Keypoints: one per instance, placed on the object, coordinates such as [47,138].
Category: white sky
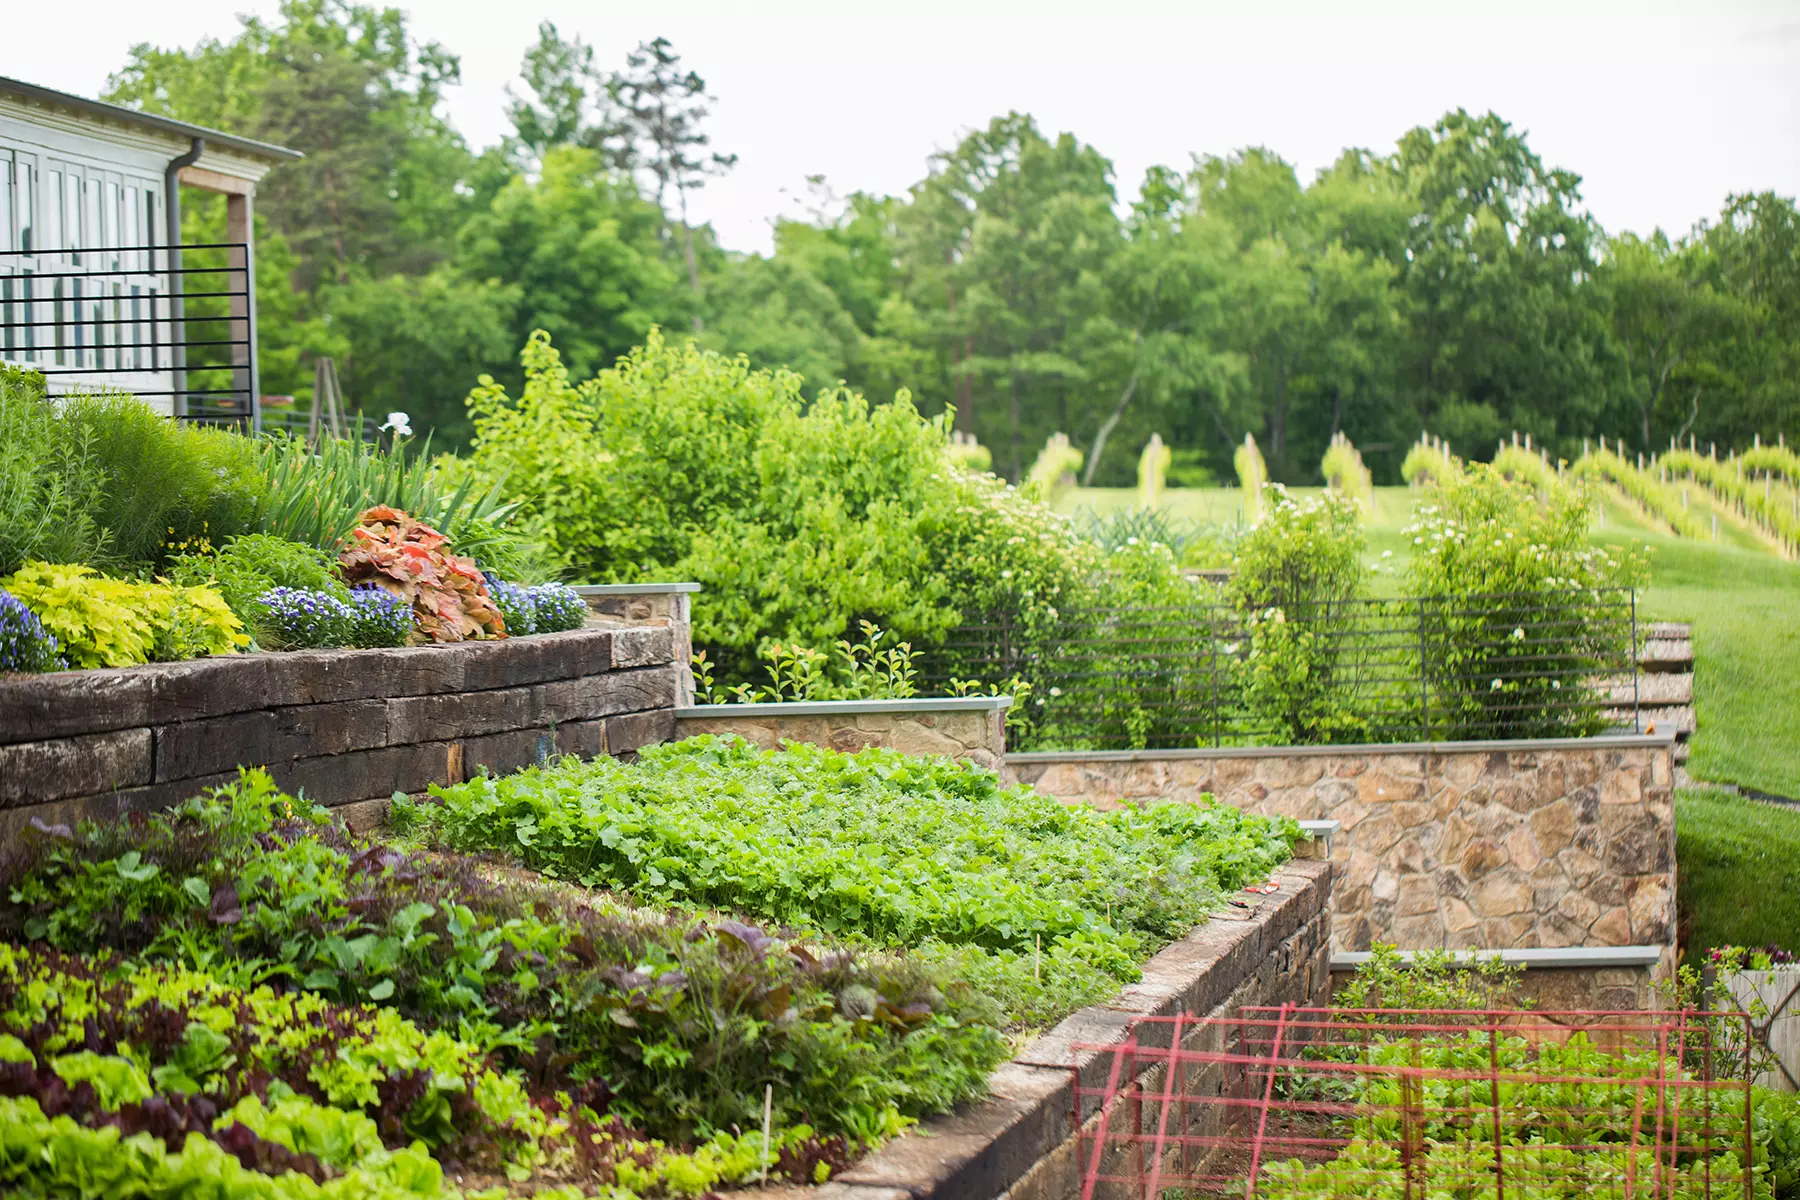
[1663,108]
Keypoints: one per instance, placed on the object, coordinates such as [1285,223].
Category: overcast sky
[1663,108]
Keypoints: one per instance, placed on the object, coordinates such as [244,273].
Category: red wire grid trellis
[1296,1103]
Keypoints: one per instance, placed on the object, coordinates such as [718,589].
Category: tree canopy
[1454,283]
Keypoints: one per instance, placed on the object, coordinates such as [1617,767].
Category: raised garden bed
[345,726]
[544,1031]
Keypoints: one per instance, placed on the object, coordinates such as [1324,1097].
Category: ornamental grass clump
[25,646]
[1047,906]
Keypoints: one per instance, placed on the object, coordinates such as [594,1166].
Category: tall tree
[1502,328]
[665,107]
[570,102]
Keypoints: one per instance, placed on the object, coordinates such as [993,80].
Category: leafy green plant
[922,853]
[248,566]
[1522,464]
[1304,555]
[875,668]
[677,463]
[672,1021]
[1431,979]
[409,559]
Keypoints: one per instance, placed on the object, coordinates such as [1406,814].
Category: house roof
[143,120]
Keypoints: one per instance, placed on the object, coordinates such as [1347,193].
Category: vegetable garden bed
[242,991]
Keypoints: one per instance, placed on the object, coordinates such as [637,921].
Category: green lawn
[1743,602]
[1739,864]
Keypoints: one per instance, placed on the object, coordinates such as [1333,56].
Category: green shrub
[1303,555]
[1521,603]
[1343,471]
[926,854]
[105,622]
[161,482]
[799,518]
[1527,466]
[46,484]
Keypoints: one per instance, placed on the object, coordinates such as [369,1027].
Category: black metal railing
[172,325]
[1412,669]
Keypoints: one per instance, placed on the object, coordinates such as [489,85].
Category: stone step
[1676,717]
[1668,631]
[1682,750]
[1651,689]
[1667,655]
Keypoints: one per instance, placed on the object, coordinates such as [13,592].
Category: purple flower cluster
[537,608]
[379,618]
[25,645]
[301,619]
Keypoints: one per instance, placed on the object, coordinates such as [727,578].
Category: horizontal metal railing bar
[132,345]
[162,249]
[119,272]
[191,367]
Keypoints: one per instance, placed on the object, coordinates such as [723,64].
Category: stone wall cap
[1610,741]
[826,708]
[633,589]
[1583,957]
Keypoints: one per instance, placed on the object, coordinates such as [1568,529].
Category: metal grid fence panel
[1418,668]
[1299,1103]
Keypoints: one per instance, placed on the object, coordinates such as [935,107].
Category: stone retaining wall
[1021,1143]
[349,727]
[972,728]
[1474,845]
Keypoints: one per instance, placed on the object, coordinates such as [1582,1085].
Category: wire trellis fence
[1309,1103]
[1392,670]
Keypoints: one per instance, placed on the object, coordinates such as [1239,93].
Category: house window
[6,205]
[22,201]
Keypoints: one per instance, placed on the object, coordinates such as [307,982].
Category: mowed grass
[1742,600]
[1739,872]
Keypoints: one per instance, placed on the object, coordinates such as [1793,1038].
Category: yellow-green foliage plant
[1253,476]
[1054,469]
[1775,510]
[1641,487]
[1153,471]
[1777,460]
[104,622]
[1429,462]
[1345,473]
[1527,466]
[967,454]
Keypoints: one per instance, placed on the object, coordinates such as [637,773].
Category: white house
[92,270]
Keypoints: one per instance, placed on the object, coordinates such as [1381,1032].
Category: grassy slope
[1740,871]
[1744,604]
